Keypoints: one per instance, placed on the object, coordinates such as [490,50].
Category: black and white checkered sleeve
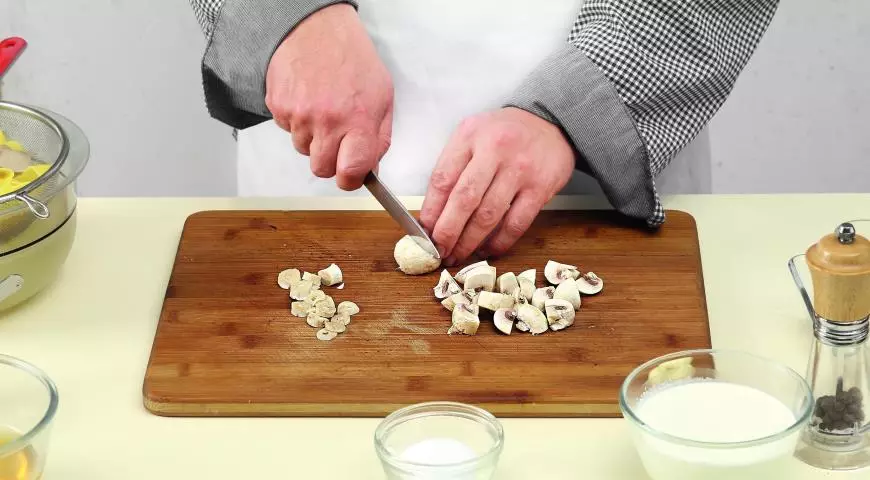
[637,81]
[206,12]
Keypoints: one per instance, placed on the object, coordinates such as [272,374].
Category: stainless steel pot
[38,221]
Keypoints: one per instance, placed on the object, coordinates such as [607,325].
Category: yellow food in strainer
[9,179]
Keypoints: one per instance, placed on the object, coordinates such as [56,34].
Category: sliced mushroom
[330,275]
[315,296]
[482,278]
[541,295]
[464,297]
[347,308]
[530,275]
[532,317]
[342,318]
[519,298]
[446,286]
[464,320]
[315,320]
[494,301]
[567,290]
[522,326]
[589,283]
[527,288]
[556,272]
[412,258]
[288,277]
[325,307]
[504,319]
[336,325]
[326,335]
[508,283]
[300,309]
[460,275]
[314,279]
[301,289]
[560,313]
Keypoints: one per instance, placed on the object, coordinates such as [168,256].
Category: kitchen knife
[399,213]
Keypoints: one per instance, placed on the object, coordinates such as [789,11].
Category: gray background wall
[127,72]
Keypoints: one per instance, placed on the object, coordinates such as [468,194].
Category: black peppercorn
[841,411]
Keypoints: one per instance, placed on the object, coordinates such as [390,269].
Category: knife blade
[399,213]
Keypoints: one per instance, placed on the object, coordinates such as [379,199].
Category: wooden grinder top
[840,267]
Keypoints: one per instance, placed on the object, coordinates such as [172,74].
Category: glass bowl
[439,440]
[28,402]
[715,414]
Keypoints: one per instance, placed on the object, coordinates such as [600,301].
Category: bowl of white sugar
[439,440]
[715,414]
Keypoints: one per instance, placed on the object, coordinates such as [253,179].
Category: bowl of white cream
[715,414]
[439,440]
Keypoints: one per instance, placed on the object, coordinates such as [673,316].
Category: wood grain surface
[227,345]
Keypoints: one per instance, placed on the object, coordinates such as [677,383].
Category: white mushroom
[589,284]
[460,275]
[464,320]
[482,278]
[288,277]
[342,318]
[518,297]
[560,313]
[314,279]
[335,324]
[504,318]
[541,295]
[522,326]
[567,290]
[301,289]
[330,275]
[532,317]
[556,272]
[412,258]
[527,288]
[508,283]
[494,301]
[465,297]
[446,286]
[300,309]
[325,307]
[325,335]
[315,320]
[315,296]
[347,308]
[530,275]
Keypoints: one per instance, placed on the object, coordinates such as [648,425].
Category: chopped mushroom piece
[326,335]
[464,297]
[301,289]
[541,295]
[446,286]
[560,313]
[532,317]
[480,278]
[347,308]
[460,275]
[314,279]
[530,275]
[288,277]
[527,288]
[508,283]
[330,275]
[300,309]
[494,301]
[589,284]
[464,320]
[567,290]
[315,320]
[556,272]
[504,319]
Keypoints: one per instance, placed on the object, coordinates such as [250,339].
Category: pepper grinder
[837,436]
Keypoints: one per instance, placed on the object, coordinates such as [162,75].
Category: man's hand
[327,86]
[495,174]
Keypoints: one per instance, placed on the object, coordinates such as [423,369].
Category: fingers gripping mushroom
[412,258]
[567,290]
[556,272]
[446,286]
[560,314]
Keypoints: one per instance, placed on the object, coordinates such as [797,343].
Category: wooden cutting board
[227,345]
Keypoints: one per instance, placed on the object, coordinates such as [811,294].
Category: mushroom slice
[326,335]
[300,309]
[504,319]
[300,290]
[446,286]
[532,317]
[530,275]
[556,272]
[494,301]
[527,288]
[342,318]
[315,320]
[314,279]
[560,313]
[336,325]
[288,277]
[325,307]
[541,295]
[330,275]
[482,278]
[522,326]
[508,283]
[315,296]
[519,298]
[464,320]
[589,283]
[460,275]
[567,290]
[412,258]
[347,308]
[465,297]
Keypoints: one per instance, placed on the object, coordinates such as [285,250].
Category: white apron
[449,59]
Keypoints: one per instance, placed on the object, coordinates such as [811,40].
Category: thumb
[357,156]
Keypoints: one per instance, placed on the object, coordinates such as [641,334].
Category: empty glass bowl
[439,440]
[714,414]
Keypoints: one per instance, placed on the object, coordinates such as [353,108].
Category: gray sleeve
[637,81]
[242,36]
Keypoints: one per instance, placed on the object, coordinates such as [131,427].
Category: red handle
[10,48]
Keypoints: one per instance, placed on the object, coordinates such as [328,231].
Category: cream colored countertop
[92,333]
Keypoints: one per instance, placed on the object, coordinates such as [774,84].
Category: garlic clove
[465,319]
[567,290]
[589,283]
[480,278]
[556,272]
[288,277]
[494,301]
[460,275]
[446,286]
[504,319]
[541,295]
[330,275]
[530,275]
[508,283]
[533,317]
[560,313]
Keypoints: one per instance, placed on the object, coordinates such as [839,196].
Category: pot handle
[38,208]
